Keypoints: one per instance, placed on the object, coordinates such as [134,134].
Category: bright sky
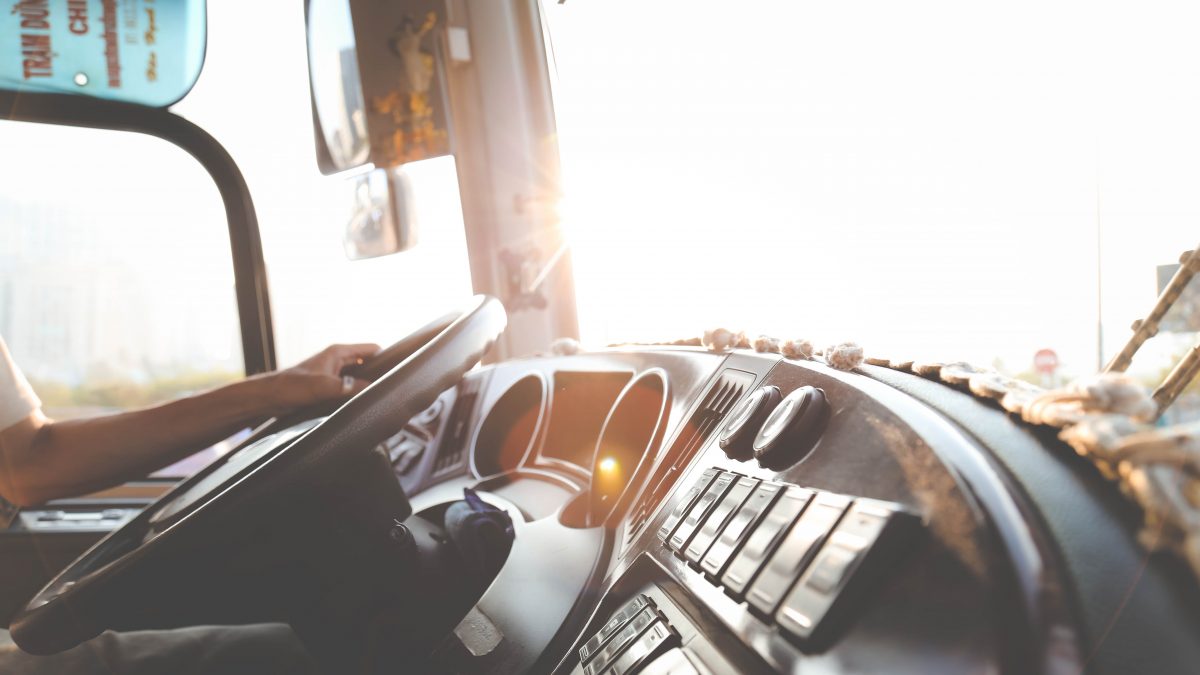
[318,296]
[926,178]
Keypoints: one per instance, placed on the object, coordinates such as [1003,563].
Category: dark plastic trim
[1136,611]
[324,159]
[250,275]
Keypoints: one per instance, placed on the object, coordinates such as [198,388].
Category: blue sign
[138,51]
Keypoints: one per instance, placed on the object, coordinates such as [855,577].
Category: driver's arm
[41,459]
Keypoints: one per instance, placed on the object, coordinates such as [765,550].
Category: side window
[116,280]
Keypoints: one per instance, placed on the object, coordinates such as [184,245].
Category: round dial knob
[792,429]
[737,434]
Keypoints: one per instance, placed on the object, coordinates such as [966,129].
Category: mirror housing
[377,82]
[383,221]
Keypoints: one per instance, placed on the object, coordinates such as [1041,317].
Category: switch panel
[796,556]
[618,621]
[739,527]
[821,584]
[715,523]
[657,639]
[609,653]
[687,527]
[639,637]
[795,551]
[686,502]
[763,540]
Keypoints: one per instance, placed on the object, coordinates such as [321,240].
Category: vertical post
[1099,285]
[1178,379]
[1144,329]
[505,146]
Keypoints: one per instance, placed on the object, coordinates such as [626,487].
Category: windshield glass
[98,306]
[116,287]
[856,171]
[318,296]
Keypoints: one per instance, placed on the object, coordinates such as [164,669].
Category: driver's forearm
[79,456]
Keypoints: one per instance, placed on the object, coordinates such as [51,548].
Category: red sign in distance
[1045,361]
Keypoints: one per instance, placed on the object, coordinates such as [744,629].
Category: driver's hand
[317,379]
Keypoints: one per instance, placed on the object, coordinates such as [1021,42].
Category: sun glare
[608,465]
[859,172]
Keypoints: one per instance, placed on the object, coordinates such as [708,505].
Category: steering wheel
[334,455]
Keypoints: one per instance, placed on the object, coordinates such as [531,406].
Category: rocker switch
[714,493]
[686,502]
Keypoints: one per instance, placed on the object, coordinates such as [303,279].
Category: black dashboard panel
[921,611]
[580,403]
[898,536]
[509,428]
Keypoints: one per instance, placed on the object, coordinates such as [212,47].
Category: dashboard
[683,511]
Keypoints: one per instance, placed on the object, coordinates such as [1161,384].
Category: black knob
[792,429]
[737,434]
[402,537]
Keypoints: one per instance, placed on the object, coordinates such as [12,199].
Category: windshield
[116,288]
[96,309]
[857,171]
[318,296]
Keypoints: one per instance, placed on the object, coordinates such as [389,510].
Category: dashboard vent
[452,452]
[720,399]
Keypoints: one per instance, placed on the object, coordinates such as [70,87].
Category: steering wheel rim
[77,604]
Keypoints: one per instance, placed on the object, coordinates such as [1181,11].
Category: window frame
[249,268]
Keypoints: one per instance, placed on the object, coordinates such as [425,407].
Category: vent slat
[718,399]
[721,397]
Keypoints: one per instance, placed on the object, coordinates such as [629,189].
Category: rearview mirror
[383,221]
[376,77]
